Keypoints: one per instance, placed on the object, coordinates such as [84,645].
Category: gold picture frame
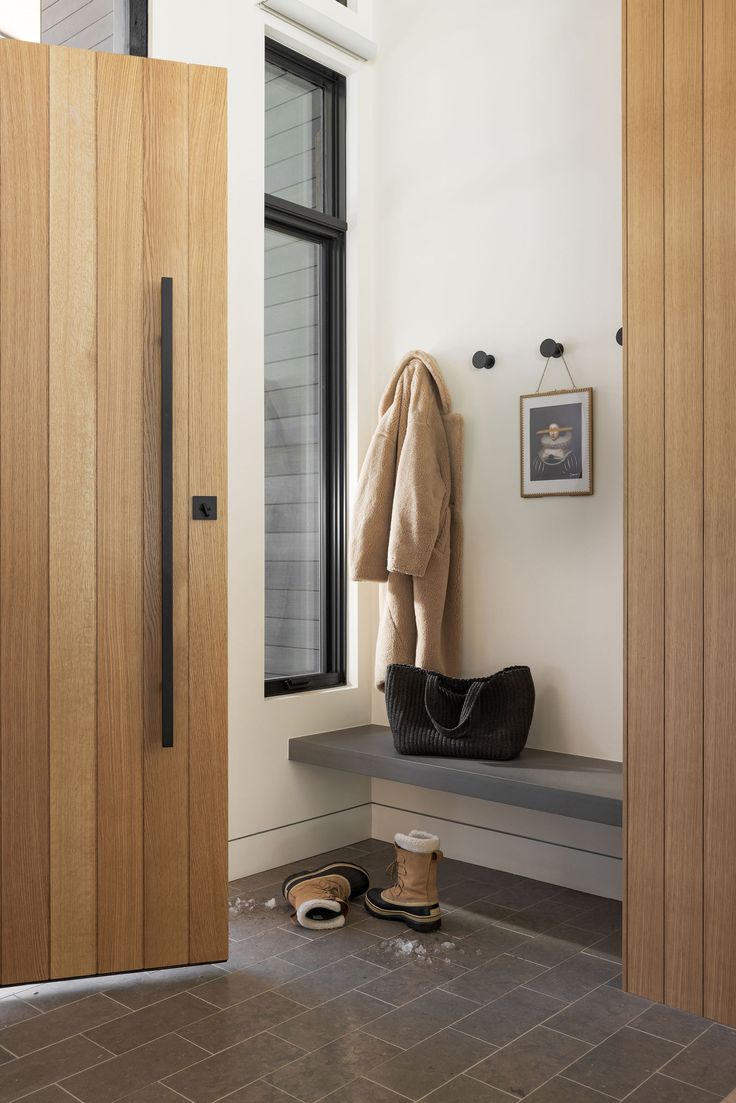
[556,443]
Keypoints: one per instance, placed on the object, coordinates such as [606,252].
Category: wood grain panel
[645,497]
[683,498]
[166,253]
[719,162]
[24,550]
[208,540]
[72,531]
[120,511]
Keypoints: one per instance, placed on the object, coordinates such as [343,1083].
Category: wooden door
[680,323]
[112,846]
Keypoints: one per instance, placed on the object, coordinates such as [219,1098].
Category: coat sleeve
[371,516]
[421,493]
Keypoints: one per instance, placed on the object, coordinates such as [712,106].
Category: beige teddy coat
[406,525]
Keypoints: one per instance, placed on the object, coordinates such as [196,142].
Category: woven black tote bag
[459,717]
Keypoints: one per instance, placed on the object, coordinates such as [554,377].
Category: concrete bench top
[564,784]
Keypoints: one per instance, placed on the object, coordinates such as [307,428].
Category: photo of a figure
[555,439]
[557,443]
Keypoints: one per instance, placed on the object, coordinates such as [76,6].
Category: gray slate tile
[622,1062]
[138,1027]
[64,1022]
[554,946]
[312,1029]
[561,1090]
[605,917]
[152,1093]
[362,1091]
[525,893]
[257,1092]
[463,892]
[330,1068]
[510,1016]
[531,1060]
[463,1089]
[121,1076]
[494,979]
[14,1010]
[663,1089]
[709,1062]
[55,1094]
[486,943]
[415,1021]
[575,977]
[667,1022]
[46,1066]
[230,988]
[233,1068]
[403,985]
[325,984]
[318,952]
[241,1021]
[466,920]
[610,947]
[598,1015]
[403,948]
[263,945]
[422,1069]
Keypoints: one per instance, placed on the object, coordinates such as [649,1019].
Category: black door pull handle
[167,512]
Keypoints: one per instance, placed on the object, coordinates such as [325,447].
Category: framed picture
[557,443]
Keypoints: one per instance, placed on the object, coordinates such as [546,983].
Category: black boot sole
[426,923]
[356,876]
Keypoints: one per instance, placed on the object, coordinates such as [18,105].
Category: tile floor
[516,997]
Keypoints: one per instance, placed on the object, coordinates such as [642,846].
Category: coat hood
[430,364]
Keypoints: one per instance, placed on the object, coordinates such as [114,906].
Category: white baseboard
[289,843]
[575,864]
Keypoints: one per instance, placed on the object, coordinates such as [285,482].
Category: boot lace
[396,871]
[329,889]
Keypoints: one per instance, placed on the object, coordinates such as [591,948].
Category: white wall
[21,19]
[498,177]
[278,811]
[485,150]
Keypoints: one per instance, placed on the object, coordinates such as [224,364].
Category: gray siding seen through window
[292,461]
[89,24]
[293,138]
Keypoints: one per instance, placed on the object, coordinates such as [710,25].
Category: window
[304,374]
[113,26]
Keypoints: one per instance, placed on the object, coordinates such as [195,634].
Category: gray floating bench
[565,784]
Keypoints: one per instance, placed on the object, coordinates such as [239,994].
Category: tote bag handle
[430,696]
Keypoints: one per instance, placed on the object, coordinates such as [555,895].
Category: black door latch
[204,508]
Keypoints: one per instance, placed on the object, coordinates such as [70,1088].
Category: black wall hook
[551,348]
[483,360]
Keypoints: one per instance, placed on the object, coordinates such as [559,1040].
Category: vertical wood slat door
[680,290]
[112,847]
[719,148]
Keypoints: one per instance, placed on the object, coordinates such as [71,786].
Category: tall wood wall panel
[207,543]
[73,532]
[119,512]
[680,291]
[166,769]
[683,503]
[719,155]
[645,496]
[24,547]
[113,848]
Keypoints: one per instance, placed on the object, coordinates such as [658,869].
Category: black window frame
[327,228]
[138,28]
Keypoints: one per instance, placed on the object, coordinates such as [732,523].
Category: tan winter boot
[320,897]
[413,898]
